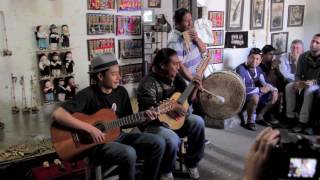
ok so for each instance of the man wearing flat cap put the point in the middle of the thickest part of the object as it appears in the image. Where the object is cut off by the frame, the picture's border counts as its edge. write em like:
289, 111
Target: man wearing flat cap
107, 93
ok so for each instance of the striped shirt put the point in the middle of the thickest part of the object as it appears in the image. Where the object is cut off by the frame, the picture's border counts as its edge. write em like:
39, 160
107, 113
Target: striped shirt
190, 58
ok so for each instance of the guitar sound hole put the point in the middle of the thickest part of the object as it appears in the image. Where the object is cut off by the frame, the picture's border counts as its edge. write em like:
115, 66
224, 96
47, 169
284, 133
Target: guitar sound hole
84, 137
100, 126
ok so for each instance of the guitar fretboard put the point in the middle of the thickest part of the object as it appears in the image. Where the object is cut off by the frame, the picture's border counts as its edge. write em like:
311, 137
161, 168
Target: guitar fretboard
125, 120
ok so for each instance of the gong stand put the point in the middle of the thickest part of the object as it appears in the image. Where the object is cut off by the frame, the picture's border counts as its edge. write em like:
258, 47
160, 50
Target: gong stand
33, 99
24, 98
14, 108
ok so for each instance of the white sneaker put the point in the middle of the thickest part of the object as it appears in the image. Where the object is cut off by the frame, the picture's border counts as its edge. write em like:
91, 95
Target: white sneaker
168, 176
194, 173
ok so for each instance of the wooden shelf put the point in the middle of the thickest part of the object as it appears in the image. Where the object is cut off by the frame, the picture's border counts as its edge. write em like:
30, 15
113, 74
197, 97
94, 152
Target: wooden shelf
51, 51
55, 77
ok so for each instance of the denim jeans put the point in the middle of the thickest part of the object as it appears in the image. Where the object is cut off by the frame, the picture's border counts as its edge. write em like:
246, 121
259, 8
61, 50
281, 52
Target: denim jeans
193, 128
125, 151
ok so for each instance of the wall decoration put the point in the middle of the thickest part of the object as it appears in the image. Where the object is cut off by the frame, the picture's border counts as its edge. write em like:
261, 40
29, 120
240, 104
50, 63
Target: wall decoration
217, 18
131, 73
216, 55
100, 4
295, 15
257, 14
234, 14
99, 46
129, 5
280, 41
98, 23
128, 25
130, 48
154, 3
276, 20
217, 37
236, 39
184, 4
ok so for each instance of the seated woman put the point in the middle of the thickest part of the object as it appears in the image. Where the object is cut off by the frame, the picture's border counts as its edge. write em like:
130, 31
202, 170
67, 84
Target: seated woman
258, 91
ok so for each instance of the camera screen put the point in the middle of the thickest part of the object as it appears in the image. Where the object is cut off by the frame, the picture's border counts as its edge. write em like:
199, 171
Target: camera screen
302, 167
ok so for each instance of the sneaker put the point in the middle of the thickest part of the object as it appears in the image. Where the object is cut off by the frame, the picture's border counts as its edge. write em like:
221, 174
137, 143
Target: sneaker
251, 126
194, 173
299, 128
206, 142
167, 176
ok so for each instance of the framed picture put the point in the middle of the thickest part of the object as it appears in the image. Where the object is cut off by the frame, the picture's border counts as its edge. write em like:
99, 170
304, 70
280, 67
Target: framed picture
101, 4
295, 15
234, 14
129, 5
217, 18
98, 23
184, 4
99, 46
276, 19
130, 48
131, 73
280, 41
216, 55
128, 25
217, 37
154, 3
257, 14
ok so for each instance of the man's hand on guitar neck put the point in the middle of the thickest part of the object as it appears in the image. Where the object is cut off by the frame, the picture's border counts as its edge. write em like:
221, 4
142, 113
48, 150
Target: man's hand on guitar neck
198, 81
96, 134
152, 113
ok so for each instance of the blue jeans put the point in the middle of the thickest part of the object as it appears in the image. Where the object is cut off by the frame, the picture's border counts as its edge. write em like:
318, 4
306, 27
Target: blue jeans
125, 151
193, 128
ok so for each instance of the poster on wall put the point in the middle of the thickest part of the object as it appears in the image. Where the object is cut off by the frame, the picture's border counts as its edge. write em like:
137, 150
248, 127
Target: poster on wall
217, 37
154, 3
257, 14
216, 55
101, 4
129, 5
99, 46
276, 19
295, 15
130, 48
128, 25
131, 73
217, 18
280, 41
184, 4
98, 23
234, 14
236, 39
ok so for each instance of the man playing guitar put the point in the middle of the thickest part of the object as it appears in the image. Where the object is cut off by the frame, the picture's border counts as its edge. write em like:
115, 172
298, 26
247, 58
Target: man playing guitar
107, 93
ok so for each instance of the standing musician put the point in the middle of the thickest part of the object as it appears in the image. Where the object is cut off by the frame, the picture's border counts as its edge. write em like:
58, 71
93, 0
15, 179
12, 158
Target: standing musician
163, 81
108, 94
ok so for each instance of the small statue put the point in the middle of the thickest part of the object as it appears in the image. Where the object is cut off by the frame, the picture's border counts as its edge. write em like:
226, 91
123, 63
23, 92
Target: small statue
54, 37
56, 64
44, 65
48, 91
68, 62
71, 87
41, 37
61, 90
65, 36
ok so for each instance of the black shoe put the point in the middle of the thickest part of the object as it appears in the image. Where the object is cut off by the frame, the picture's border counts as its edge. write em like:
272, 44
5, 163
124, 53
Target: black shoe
251, 126
308, 131
292, 122
299, 128
1, 125
263, 122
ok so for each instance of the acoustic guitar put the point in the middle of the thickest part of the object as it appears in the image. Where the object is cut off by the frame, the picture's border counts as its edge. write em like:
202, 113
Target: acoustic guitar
177, 122
72, 144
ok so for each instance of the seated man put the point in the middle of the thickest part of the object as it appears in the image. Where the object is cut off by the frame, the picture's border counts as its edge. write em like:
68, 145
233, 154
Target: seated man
306, 82
289, 61
258, 91
108, 94
159, 85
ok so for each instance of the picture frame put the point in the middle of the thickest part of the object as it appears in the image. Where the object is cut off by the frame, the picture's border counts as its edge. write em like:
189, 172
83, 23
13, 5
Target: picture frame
276, 18
99, 46
257, 14
216, 18
130, 48
128, 25
98, 23
132, 5
280, 42
154, 3
187, 4
131, 73
295, 15
216, 55
101, 4
237, 39
218, 37
234, 15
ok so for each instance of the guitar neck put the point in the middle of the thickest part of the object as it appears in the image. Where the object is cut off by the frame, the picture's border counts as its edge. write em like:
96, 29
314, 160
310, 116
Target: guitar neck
186, 93
128, 120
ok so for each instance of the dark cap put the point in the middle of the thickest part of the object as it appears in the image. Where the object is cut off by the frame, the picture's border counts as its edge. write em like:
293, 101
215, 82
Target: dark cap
102, 62
267, 48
